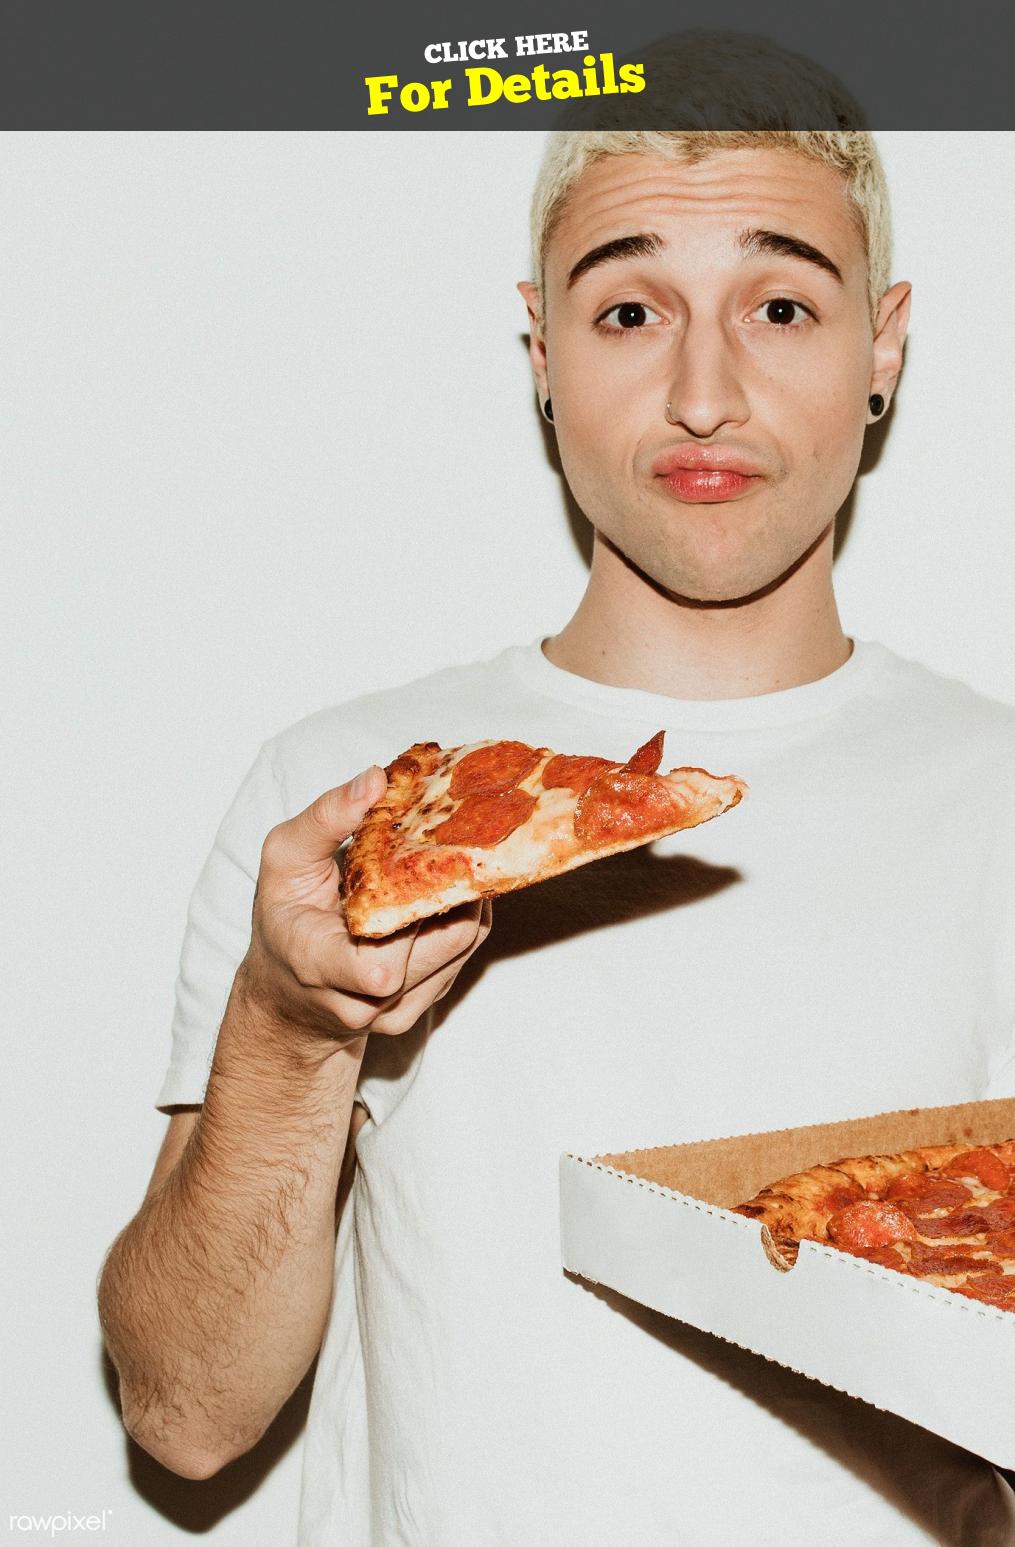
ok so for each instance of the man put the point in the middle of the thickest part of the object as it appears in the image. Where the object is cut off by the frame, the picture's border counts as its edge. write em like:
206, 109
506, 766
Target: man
712, 330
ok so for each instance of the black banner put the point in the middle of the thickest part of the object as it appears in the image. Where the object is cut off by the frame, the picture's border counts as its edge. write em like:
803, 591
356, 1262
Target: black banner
318, 64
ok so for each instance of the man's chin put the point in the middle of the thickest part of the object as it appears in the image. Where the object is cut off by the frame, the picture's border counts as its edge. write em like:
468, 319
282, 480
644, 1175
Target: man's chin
731, 575
725, 590
730, 594
721, 579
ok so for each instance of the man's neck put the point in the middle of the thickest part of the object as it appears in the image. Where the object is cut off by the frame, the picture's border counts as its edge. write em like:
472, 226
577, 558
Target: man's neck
628, 633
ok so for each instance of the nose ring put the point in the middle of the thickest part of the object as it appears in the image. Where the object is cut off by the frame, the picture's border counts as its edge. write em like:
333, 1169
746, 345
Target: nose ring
668, 419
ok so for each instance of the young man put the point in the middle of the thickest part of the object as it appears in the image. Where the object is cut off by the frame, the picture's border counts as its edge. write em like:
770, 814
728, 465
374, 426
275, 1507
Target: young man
712, 330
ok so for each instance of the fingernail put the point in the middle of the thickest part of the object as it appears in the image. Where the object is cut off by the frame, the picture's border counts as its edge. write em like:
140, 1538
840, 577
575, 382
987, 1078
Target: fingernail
361, 784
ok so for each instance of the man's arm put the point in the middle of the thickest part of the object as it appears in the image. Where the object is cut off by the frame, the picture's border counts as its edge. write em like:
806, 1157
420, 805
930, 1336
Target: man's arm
213, 1300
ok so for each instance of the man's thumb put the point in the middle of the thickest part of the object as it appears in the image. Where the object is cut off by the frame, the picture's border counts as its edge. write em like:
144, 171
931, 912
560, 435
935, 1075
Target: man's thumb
367, 786
338, 812
316, 833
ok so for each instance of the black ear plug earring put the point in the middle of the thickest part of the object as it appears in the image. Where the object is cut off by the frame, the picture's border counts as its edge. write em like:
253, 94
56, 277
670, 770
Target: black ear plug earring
548, 410
876, 404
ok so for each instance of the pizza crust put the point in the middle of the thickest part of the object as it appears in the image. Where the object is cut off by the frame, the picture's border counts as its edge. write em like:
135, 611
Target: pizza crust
380, 876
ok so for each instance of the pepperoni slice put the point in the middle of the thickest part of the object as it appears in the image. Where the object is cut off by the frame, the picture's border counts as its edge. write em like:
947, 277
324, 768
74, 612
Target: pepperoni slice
621, 805
884, 1256
944, 1251
1000, 1215
483, 821
647, 758
1003, 1242
982, 1164
926, 1193
959, 1222
573, 773
940, 1263
492, 770
931, 1202
870, 1223
839, 1197
991, 1289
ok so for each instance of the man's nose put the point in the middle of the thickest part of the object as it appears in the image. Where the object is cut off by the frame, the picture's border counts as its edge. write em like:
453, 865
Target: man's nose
705, 389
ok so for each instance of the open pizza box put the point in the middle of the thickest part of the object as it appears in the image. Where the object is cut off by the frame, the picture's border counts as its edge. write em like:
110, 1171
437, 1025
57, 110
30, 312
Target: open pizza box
656, 1225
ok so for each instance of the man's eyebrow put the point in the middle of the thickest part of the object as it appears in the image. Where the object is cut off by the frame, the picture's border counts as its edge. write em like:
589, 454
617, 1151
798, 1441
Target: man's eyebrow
644, 245
753, 242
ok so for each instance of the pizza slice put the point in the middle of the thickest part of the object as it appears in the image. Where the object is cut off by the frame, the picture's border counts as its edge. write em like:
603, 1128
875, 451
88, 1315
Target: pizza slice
457, 823
943, 1213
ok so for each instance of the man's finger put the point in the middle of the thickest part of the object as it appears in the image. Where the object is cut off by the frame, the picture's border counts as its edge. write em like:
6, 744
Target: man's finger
441, 940
378, 967
402, 1013
313, 835
346, 996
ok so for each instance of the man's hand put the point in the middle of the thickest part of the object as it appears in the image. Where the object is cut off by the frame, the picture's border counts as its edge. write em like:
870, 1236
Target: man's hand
304, 967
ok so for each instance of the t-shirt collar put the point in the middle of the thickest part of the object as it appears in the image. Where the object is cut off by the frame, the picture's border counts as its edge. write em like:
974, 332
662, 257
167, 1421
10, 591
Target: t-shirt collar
783, 707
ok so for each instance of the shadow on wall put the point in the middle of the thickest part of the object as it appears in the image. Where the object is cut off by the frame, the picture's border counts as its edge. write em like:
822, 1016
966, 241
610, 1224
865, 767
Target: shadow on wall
581, 529
198, 1506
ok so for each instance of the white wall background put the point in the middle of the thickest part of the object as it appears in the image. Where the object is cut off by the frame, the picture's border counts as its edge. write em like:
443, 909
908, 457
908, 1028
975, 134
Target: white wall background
271, 442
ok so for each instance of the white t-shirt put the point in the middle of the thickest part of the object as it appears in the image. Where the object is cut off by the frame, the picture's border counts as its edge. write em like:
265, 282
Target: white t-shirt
839, 944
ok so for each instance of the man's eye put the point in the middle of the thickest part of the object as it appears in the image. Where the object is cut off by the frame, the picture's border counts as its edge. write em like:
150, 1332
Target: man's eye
627, 316
783, 312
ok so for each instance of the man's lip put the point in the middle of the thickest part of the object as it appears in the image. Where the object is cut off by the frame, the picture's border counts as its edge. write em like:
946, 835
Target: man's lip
707, 485
704, 459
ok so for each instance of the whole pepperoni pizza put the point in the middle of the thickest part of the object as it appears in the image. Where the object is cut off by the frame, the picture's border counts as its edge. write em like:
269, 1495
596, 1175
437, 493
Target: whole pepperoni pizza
458, 823
945, 1214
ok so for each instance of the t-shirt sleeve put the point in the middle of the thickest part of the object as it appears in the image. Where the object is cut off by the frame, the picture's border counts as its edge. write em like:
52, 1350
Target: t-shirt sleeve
217, 933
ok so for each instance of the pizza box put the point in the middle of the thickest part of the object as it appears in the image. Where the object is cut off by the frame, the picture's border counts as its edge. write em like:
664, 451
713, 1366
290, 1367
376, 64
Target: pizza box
656, 1225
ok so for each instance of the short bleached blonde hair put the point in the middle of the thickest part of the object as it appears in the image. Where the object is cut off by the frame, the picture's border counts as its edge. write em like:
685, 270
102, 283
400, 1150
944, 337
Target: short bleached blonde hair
852, 152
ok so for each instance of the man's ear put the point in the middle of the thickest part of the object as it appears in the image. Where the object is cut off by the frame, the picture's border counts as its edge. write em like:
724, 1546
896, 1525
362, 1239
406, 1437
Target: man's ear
537, 339
889, 336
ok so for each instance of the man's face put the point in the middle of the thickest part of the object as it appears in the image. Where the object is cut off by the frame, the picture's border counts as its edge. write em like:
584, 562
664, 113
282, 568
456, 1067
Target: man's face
765, 357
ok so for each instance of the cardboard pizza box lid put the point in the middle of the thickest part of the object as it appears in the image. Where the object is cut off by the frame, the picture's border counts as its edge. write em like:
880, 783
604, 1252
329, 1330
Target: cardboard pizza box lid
656, 1226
